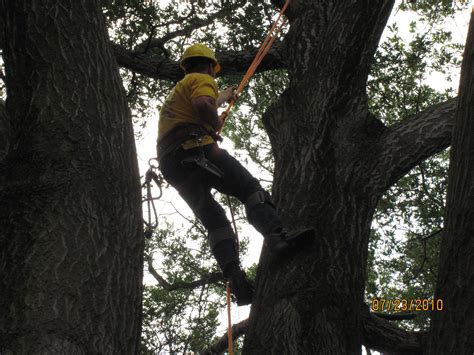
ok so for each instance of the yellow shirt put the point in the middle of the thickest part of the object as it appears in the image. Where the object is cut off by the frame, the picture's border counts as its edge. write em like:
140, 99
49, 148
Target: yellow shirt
178, 108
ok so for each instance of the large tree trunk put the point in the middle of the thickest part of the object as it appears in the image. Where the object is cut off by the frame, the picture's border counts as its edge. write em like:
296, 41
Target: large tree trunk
70, 217
333, 161
4, 131
453, 328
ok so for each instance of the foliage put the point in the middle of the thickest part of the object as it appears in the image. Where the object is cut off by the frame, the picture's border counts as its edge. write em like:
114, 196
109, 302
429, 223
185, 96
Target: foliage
404, 243
181, 320
3, 91
245, 126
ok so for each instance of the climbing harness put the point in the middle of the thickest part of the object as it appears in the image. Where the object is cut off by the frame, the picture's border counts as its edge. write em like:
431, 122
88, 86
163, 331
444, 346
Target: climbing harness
201, 161
152, 176
185, 135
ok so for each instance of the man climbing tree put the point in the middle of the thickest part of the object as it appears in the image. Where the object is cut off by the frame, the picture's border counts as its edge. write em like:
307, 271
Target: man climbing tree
192, 162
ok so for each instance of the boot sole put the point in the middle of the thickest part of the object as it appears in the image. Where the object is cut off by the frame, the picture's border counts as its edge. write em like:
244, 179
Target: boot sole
301, 238
295, 241
244, 303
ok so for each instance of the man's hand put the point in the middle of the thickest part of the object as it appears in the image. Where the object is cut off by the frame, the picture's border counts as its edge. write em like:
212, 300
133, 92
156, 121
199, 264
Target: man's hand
227, 95
223, 116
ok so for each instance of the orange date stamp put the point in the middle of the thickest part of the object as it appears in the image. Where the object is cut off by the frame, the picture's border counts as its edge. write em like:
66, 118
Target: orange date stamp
406, 305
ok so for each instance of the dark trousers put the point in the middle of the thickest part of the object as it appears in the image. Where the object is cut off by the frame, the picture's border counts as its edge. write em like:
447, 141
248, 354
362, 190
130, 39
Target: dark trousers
194, 183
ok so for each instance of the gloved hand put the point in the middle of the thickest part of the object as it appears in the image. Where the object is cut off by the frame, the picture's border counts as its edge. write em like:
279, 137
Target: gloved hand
227, 95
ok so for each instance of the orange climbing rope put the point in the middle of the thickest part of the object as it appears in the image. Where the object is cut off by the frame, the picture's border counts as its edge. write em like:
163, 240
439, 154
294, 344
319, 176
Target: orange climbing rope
263, 50
229, 321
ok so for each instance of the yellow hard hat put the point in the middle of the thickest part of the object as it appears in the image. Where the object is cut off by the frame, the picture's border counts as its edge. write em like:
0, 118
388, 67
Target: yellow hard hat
200, 50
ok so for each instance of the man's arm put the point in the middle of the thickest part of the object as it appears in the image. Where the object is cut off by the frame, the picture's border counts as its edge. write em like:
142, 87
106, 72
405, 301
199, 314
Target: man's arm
207, 111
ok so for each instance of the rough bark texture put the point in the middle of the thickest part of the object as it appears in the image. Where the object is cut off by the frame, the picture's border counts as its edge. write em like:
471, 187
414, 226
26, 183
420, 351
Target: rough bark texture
331, 168
453, 328
70, 217
4, 131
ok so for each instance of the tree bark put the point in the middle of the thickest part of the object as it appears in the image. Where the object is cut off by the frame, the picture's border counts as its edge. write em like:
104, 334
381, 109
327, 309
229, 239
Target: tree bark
71, 241
309, 303
453, 327
4, 131
411, 141
330, 171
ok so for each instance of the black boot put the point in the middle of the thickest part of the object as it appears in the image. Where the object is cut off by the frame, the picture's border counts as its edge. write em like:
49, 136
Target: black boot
227, 258
239, 284
283, 241
261, 213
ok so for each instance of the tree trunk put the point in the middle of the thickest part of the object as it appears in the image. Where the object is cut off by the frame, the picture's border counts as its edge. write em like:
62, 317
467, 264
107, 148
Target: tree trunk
310, 303
453, 328
330, 170
70, 217
4, 131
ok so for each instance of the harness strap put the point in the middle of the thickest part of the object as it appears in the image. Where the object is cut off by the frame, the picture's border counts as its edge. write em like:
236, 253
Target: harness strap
181, 135
257, 198
201, 161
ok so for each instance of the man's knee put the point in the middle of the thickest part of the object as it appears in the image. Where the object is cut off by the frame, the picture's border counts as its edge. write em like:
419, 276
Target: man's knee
257, 198
215, 236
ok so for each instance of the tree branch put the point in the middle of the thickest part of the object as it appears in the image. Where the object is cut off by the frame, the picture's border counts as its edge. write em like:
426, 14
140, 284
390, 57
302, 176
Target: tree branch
220, 345
232, 62
409, 142
431, 235
379, 334
211, 278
